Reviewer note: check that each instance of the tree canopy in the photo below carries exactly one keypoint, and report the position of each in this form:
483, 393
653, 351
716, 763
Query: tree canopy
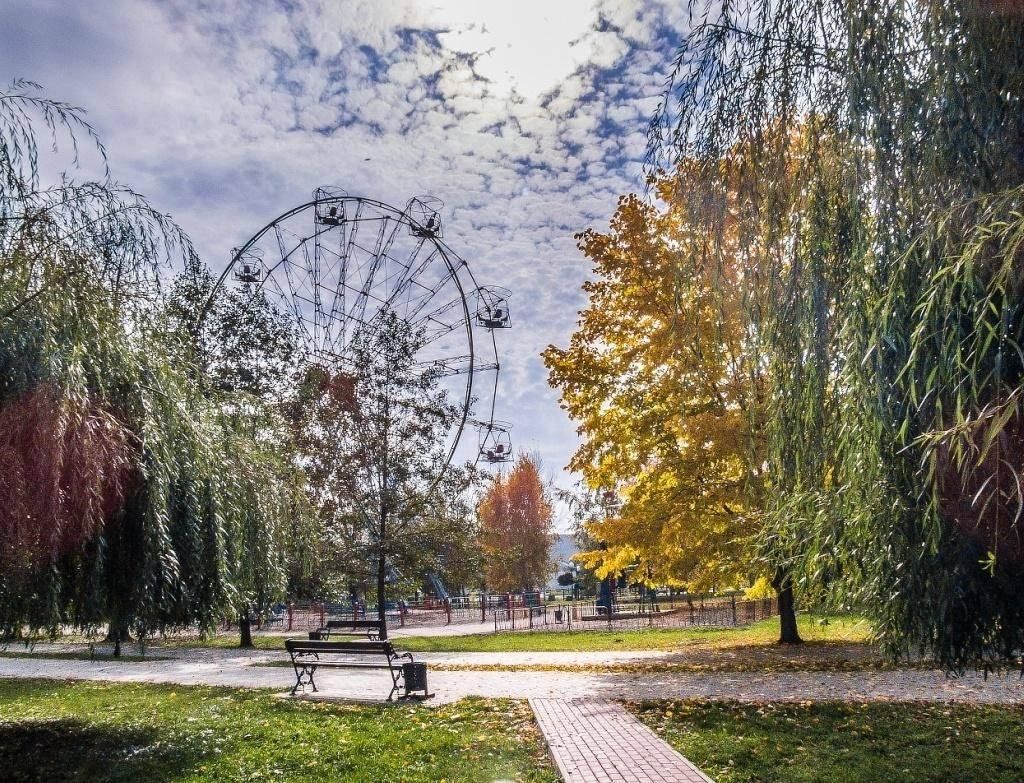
515, 529
128, 499
655, 376
372, 436
868, 161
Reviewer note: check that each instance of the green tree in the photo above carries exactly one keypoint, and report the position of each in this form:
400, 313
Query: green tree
243, 355
882, 293
113, 508
371, 438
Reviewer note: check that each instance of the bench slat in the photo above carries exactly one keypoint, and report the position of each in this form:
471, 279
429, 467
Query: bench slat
332, 624
344, 665
355, 647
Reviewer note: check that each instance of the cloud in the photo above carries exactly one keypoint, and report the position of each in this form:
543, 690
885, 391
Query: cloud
527, 119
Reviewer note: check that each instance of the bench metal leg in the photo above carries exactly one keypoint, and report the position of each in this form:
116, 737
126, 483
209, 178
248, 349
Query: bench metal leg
304, 676
397, 676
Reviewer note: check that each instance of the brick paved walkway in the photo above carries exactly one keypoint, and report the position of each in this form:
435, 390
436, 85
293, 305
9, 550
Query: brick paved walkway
597, 741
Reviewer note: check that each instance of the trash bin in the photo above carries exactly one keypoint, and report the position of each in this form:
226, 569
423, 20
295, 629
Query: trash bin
558, 615
415, 676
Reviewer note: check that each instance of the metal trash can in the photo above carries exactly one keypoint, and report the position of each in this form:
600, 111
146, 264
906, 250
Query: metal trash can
415, 676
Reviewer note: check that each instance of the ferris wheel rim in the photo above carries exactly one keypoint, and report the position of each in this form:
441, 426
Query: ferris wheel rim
453, 262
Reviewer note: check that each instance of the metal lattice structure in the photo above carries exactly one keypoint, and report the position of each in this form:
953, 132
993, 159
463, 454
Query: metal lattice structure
337, 263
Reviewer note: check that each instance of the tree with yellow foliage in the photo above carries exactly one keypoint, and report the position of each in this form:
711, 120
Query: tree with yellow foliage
657, 377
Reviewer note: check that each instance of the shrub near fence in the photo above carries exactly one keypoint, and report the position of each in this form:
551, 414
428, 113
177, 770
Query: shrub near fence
583, 615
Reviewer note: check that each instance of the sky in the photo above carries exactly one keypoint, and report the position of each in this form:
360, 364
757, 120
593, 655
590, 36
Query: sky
527, 119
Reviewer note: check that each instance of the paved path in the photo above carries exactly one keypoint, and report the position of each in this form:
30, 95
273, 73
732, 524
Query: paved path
596, 741
591, 738
236, 669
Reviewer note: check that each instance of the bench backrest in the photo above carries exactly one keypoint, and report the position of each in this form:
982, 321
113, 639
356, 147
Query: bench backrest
349, 647
333, 624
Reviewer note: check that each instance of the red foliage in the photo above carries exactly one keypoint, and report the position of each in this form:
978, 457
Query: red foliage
985, 501
342, 389
67, 464
515, 517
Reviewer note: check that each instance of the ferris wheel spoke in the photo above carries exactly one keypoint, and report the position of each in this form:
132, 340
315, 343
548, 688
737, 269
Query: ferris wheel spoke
285, 263
348, 238
454, 365
351, 316
447, 366
378, 257
330, 289
435, 314
419, 304
408, 278
289, 304
313, 270
440, 330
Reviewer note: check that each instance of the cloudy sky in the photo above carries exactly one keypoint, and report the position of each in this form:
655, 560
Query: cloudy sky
526, 118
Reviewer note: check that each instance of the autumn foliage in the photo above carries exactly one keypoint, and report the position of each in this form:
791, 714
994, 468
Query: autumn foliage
67, 465
515, 517
655, 377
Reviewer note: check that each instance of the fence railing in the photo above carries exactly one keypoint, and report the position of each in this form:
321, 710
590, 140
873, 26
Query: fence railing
530, 612
579, 615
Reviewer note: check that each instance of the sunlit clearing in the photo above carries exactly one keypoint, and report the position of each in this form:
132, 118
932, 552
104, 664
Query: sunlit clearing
529, 45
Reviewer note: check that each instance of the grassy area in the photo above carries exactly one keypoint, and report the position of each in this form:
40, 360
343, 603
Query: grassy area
838, 630
103, 732
229, 641
849, 742
838, 645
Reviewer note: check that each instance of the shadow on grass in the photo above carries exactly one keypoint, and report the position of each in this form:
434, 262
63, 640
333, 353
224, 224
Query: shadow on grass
68, 750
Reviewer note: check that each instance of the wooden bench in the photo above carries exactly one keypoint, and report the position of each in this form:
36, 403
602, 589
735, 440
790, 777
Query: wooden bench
308, 655
370, 627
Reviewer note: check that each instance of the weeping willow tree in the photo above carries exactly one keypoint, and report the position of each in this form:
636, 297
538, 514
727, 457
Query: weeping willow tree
870, 158
128, 499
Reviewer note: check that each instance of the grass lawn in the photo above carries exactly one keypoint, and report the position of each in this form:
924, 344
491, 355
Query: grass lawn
105, 732
841, 644
848, 742
849, 629
230, 641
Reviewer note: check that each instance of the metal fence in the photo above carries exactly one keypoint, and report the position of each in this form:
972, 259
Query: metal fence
583, 615
518, 612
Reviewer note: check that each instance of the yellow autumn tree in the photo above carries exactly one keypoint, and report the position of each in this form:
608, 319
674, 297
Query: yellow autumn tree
656, 377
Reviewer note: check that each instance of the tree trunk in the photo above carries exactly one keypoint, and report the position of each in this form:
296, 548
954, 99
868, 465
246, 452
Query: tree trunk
116, 635
245, 631
381, 587
788, 633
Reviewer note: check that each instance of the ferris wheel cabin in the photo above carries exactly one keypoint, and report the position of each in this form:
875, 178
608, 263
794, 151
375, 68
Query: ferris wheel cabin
248, 268
495, 442
424, 213
492, 307
330, 207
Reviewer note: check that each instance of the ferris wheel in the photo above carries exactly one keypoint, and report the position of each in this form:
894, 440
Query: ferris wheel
335, 265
